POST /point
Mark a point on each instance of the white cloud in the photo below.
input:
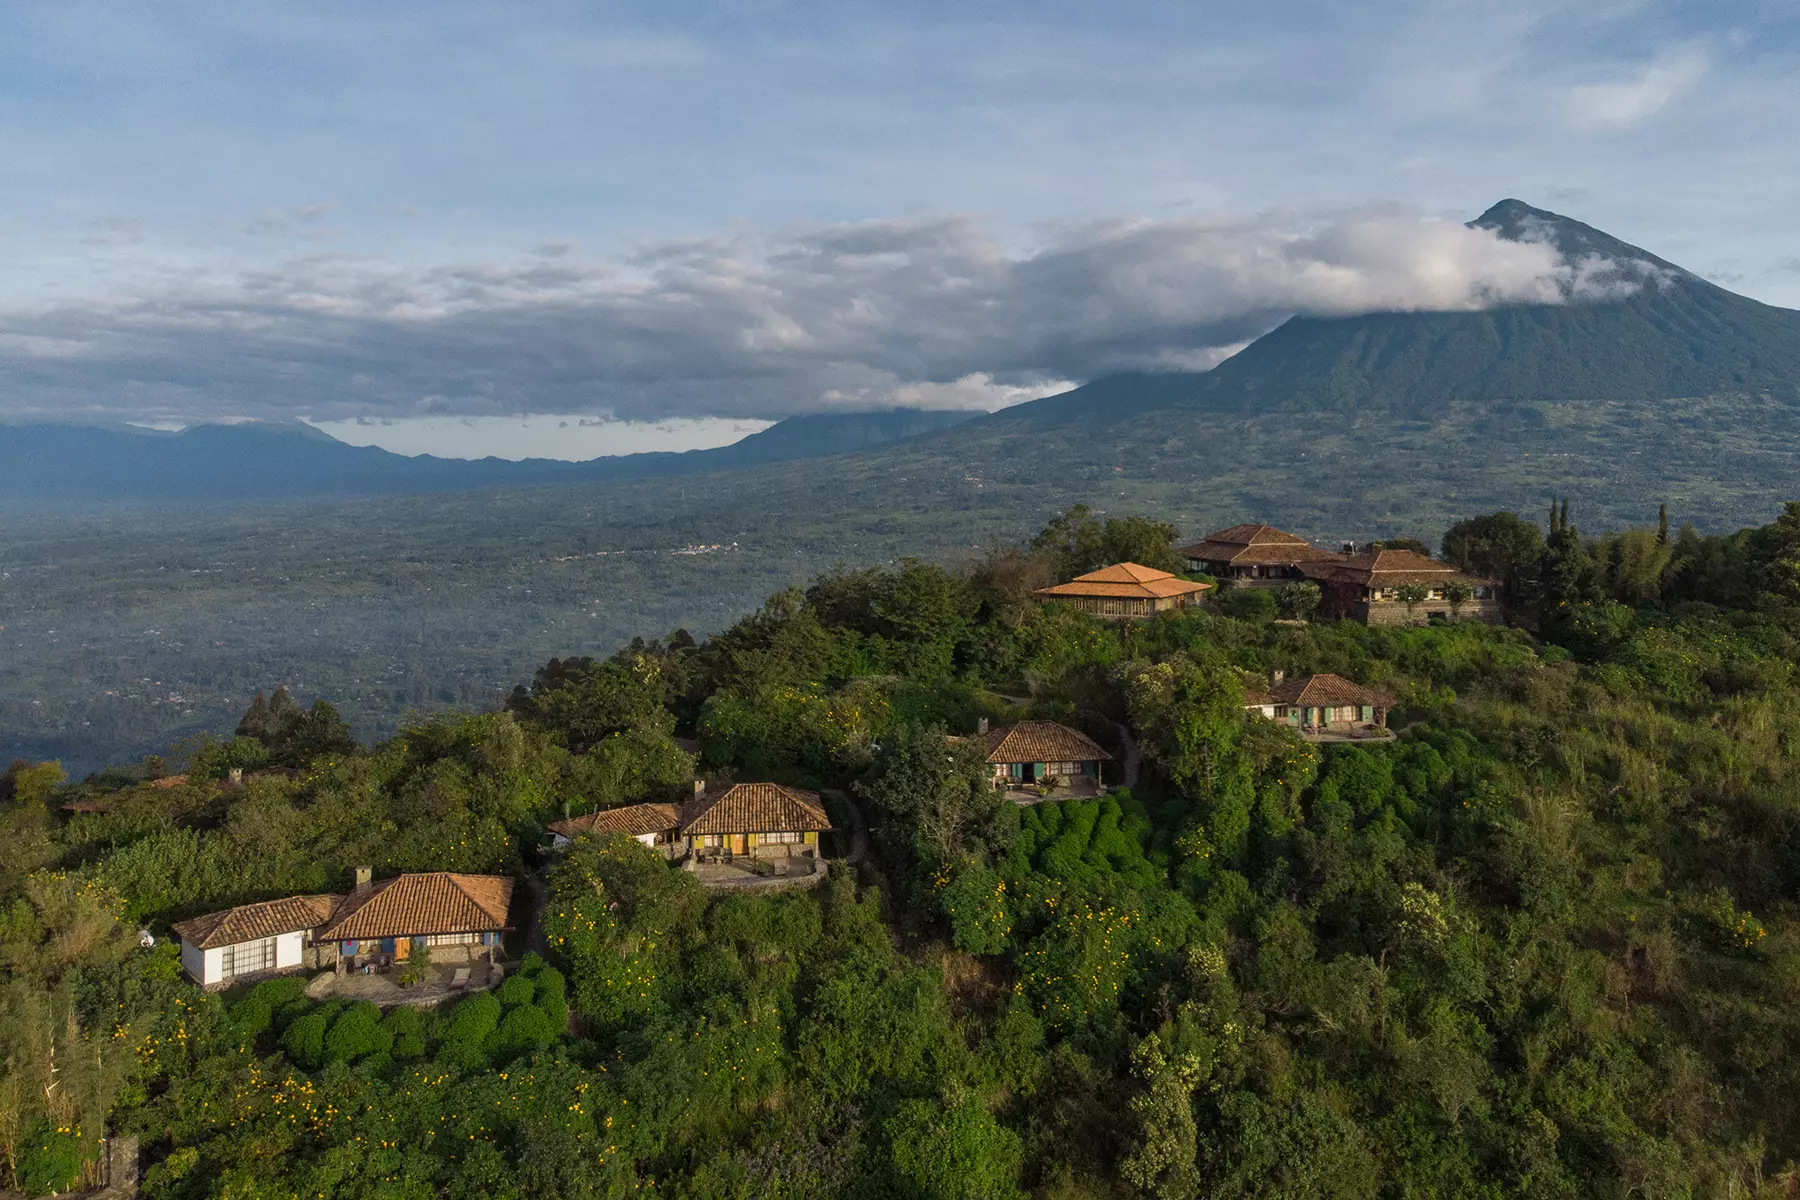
(925, 310)
(1624, 102)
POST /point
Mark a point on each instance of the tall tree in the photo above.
(1498, 546)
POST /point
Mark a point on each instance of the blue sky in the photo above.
(688, 210)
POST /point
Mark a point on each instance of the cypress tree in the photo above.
(1662, 524)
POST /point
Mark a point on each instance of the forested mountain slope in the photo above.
(1543, 946)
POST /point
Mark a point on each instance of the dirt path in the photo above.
(1134, 761)
(534, 928)
(859, 829)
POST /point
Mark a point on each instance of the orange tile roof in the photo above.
(1129, 580)
(253, 922)
(1317, 691)
(1254, 545)
(1041, 741)
(1389, 568)
(635, 819)
(754, 808)
(411, 905)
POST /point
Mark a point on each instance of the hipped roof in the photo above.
(634, 819)
(1256, 545)
(1041, 741)
(754, 808)
(411, 905)
(1127, 580)
(253, 922)
(1317, 691)
(1390, 568)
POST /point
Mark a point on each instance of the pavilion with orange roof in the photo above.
(1125, 590)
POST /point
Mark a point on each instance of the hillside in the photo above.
(210, 464)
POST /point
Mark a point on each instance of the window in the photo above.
(247, 958)
(452, 939)
(776, 839)
(711, 841)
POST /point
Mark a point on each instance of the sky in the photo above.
(438, 224)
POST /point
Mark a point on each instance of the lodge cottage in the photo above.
(1368, 587)
(744, 820)
(1320, 704)
(254, 939)
(758, 820)
(461, 918)
(1125, 590)
(1037, 751)
(1254, 556)
(651, 825)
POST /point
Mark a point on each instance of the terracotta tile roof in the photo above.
(1041, 741)
(1317, 691)
(1129, 580)
(168, 781)
(634, 819)
(253, 922)
(1389, 568)
(410, 905)
(1256, 545)
(754, 808)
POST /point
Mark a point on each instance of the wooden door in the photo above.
(402, 949)
(740, 843)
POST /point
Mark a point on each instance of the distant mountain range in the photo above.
(57, 464)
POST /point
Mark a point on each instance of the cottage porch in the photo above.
(382, 988)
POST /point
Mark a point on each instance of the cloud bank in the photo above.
(931, 310)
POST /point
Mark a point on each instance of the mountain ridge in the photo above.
(252, 461)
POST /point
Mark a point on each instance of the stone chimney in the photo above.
(363, 877)
(235, 776)
(1349, 547)
(699, 788)
(1276, 676)
(981, 727)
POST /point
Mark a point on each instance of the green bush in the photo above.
(52, 1160)
(473, 1019)
(524, 1029)
(406, 1029)
(357, 1033)
(250, 1017)
(515, 991)
(304, 1039)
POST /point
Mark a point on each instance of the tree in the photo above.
(937, 799)
(586, 702)
(1631, 564)
(1458, 594)
(1161, 1162)
(1498, 546)
(953, 1149)
(1412, 595)
(1298, 601)
(294, 736)
(1079, 542)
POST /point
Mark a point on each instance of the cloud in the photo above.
(1625, 102)
(927, 310)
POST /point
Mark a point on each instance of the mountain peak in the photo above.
(1517, 221)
